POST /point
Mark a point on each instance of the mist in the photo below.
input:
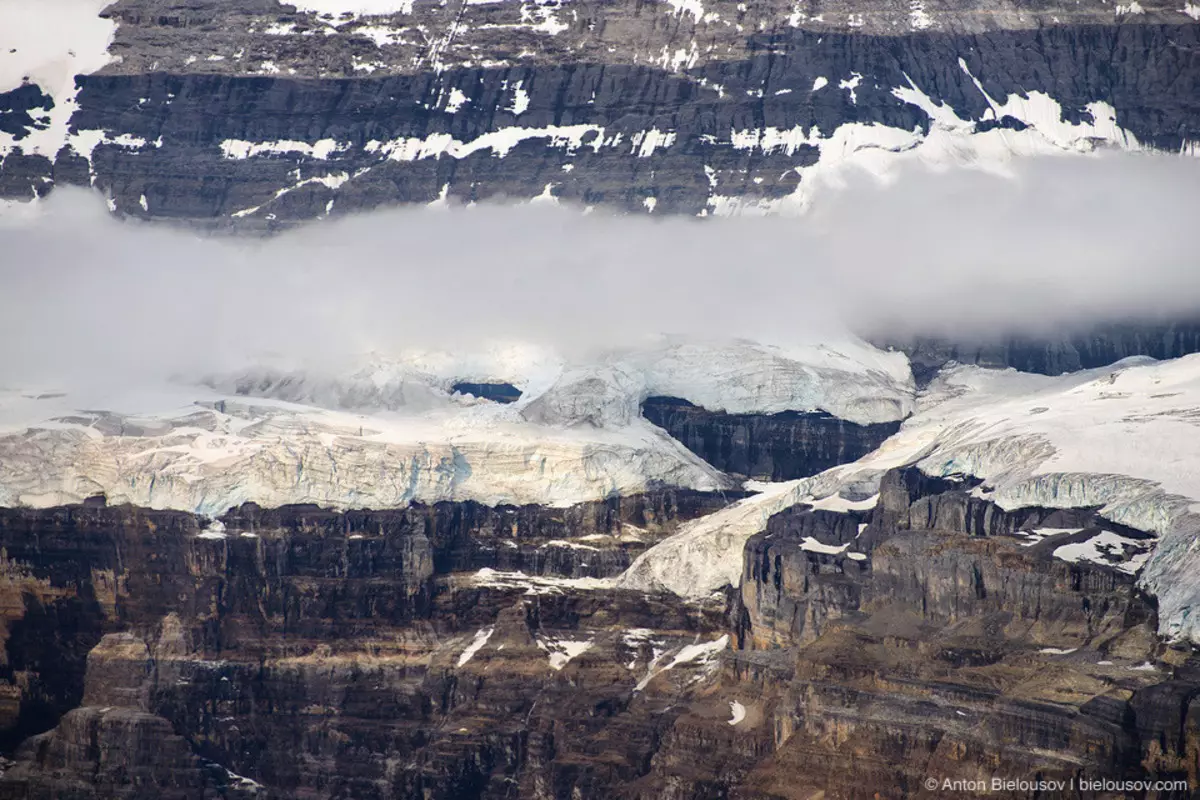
(1061, 243)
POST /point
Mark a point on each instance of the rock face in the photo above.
(78, 572)
(772, 447)
(319, 661)
(260, 117)
(497, 392)
(114, 746)
(900, 553)
(305, 653)
(949, 638)
(1082, 349)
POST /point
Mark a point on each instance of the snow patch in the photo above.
(481, 638)
(214, 530)
(48, 44)
(563, 651)
(500, 142)
(536, 584)
(703, 655)
(812, 545)
(353, 8)
(646, 142)
(456, 100)
(737, 712)
(239, 149)
(1110, 549)
(1040, 534)
(851, 85)
(520, 102)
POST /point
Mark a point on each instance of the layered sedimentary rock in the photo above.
(320, 654)
(812, 566)
(1084, 348)
(284, 656)
(775, 447)
(76, 573)
(262, 116)
(939, 645)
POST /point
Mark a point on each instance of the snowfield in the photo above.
(847, 378)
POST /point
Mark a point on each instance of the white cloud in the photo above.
(1067, 240)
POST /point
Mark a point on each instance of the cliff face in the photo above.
(76, 573)
(773, 447)
(695, 113)
(323, 654)
(1086, 348)
(953, 649)
(305, 653)
(930, 545)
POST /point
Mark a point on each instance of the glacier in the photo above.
(1122, 438)
(206, 455)
(388, 432)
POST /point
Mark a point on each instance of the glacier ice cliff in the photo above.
(1121, 439)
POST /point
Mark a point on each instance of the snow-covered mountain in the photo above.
(1122, 439)
(681, 567)
(291, 112)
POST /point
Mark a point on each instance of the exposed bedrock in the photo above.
(496, 392)
(690, 139)
(933, 547)
(595, 539)
(774, 447)
(863, 653)
(114, 746)
(952, 650)
(1088, 348)
(503, 694)
(75, 573)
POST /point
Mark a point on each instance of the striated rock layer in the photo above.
(773, 447)
(305, 653)
(1083, 348)
(258, 135)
